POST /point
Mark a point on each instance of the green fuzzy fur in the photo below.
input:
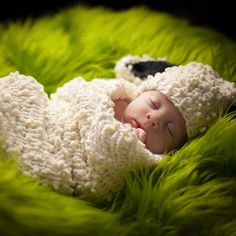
(190, 192)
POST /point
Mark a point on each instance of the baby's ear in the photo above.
(137, 68)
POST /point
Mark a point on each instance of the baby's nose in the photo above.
(153, 119)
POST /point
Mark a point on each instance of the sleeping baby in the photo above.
(82, 139)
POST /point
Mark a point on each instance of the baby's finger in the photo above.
(141, 135)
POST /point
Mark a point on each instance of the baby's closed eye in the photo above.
(154, 104)
(170, 127)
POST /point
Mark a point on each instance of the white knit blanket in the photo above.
(71, 141)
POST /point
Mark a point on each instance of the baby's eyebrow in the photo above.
(156, 98)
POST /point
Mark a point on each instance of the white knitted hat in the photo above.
(197, 91)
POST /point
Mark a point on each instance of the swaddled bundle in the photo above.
(74, 143)
(71, 142)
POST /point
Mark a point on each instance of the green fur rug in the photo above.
(190, 192)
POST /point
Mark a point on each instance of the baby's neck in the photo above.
(120, 106)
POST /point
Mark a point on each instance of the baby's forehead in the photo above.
(153, 92)
(150, 92)
(157, 96)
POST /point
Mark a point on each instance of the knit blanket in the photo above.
(72, 142)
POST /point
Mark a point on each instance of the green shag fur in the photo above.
(190, 192)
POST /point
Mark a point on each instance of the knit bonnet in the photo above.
(198, 91)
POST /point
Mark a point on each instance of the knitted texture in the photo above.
(197, 90)
(71, 142)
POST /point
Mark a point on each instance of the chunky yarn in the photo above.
(71, 141)
(197, 91)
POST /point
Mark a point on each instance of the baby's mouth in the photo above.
(135, 124)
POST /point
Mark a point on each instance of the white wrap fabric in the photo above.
(71, 141)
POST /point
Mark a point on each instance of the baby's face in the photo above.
(160, 122)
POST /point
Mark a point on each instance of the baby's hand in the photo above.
(140, 133)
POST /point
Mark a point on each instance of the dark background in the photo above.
(218, 14)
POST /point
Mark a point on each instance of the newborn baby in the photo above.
(173, 106)
(82, 139)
